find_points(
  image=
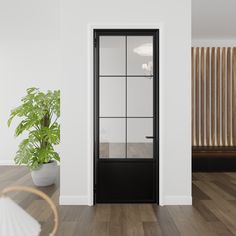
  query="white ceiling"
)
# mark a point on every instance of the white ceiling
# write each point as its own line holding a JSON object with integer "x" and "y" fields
{"x": 213, "y": 19}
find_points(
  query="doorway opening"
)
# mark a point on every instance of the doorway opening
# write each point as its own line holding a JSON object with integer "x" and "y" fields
{"x": 126, "y": 116}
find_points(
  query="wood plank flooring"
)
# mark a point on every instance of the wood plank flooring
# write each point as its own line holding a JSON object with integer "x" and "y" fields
{"x": 213, "y": 211}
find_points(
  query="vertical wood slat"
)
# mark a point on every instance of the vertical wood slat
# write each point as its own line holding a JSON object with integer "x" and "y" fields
{"x": 197, "y": 95}
{"x": 193, "y": 102}
{"x": 218, "y": 113}
{"x": 229, "y": 98}
{"x": 223, "y": 101}
{"x": 233, "y": 95}
{"x": 208, "y": 136}
{"x": 202, "y": 96}
{"x": 213, "y": 97}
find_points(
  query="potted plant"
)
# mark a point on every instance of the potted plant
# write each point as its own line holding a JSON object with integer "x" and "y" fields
{"x": 38, "y": 113}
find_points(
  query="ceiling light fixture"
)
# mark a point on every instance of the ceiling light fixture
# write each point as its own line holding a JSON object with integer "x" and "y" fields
{"x": 145, "y": 50}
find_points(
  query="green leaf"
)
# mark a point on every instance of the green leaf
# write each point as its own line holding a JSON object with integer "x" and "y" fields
{"x": 38, "y": 115}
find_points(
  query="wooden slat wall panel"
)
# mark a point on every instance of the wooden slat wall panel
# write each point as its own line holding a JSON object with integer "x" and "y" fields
{"x": 213, "y": 96}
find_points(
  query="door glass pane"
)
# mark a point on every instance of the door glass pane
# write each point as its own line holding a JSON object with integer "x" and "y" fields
{"x": 112, "y": 55}
{"x": 140, "y": 55}
{"x": 138, "y": 145}
{"x": 112, "y": 96}
{"x": 112, "y": 138}
{"x": 125, "y": 96}
{"x": 140, "y": 96}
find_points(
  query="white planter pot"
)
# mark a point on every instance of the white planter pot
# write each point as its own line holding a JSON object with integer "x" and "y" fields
{"x": 45, "y": 175}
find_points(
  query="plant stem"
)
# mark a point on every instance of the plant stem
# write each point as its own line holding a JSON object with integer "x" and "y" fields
{"x": 45, "y": 123}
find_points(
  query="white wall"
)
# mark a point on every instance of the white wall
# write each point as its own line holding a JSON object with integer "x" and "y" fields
{"x": 175, "y": 97}
{"x": 29, "y": 56}
{"x": 46, "y": 44}
{"x": 213, "y": 19}
{"x": 213, "y": 42}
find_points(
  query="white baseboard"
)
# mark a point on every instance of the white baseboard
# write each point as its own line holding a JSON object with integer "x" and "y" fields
{"x": 73, "y": 200}
{"x": 7, "y": 163}
{"x": 83, "y": 200}
{"x": 177, "y": 200}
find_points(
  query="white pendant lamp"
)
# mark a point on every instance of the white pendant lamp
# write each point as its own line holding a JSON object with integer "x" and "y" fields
{"x": 15, "y": 221}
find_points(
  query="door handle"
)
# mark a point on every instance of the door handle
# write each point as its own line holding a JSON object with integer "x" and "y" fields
{"x": 149, "y": 137}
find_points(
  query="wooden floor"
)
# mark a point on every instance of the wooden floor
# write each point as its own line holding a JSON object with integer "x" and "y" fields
{"x": 213, "y": 211}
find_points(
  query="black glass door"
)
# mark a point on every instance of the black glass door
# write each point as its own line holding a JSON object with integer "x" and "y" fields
{"x": 126, "y": 116}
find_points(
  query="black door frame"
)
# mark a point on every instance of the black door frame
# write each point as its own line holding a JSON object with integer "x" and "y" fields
{"x": 127, "y": 32}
